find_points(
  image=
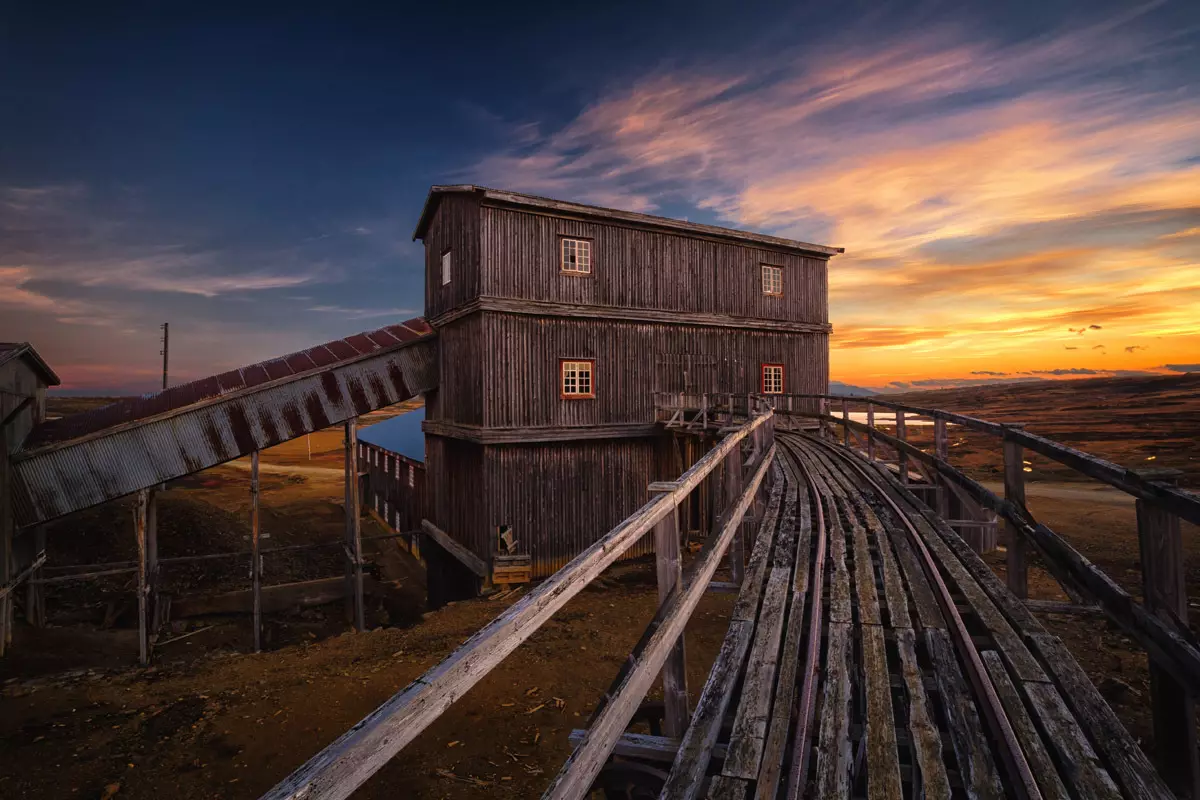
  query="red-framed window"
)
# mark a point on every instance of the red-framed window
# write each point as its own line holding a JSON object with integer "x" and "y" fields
{"x": 577, "y": 378}
{"x": 772, "y": 378}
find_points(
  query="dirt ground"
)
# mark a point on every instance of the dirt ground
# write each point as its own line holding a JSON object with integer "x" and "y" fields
{"x": 211, "y": 719}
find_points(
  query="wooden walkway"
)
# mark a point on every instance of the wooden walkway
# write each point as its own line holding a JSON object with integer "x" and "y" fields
{"x": 872, "y": 654}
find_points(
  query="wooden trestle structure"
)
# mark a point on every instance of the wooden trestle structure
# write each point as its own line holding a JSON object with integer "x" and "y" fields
{"x": 871, "y": 652}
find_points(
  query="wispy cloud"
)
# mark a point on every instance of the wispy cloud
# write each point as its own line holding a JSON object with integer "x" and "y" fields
{"x": 366, "y": 313}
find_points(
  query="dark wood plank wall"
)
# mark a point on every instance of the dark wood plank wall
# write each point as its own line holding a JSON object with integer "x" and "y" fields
{"x": 454, "y": 490}
{"x": 455, "y": 226}
{"x": 645, "y": 269}
{"x": 462, "y": 359}
{"x": 388, "y": 491}
{"x": 632, "y": 361}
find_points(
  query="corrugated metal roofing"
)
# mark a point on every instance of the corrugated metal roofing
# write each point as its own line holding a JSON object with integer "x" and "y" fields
{"x": 86, "y": 459}
{"x": 11, "y": 350}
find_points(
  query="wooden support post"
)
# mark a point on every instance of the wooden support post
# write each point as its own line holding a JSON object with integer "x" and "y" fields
{"x": 1014, "y": 492}
{"x": 1165, "y": 592}
{"x": 941, "y": 449}
{"x": 255, "y": 555}
{"x": 871, "y": 431}
{"x": 140, "y": 513}
{"x": 902, "y": 457}
{"x": 733, "y": 491}
{"x": 845, "y": 427}
{"x": 353, "y": 544}
{"x": 35, "y": 598}
{"x": 674, "y": 672}
{"x": 152, "y": 609}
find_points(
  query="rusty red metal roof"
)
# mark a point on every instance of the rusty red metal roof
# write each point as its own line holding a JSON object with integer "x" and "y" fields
{"x": 132, "y": 409}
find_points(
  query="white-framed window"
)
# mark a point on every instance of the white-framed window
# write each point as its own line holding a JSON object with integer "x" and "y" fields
{"x": 445, "y": 268}
{"x": 772, "y": 280}
{"x": 577, "y": 256}
{"x": 577, "y": 381}
{"x": 412, "y": 477}
{"x": 772, "y": 378}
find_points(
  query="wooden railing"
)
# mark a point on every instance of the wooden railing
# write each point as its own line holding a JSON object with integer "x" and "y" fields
{"x": 1158, "y": 624}
{"x": 348, "y": 762}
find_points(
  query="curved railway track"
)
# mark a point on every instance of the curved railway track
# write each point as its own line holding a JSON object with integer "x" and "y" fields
{"x": 801, "y": 450}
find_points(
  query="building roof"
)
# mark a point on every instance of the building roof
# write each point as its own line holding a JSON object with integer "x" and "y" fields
{"x": 11, "y": 350}
{"x": 564, "y": 208}
{"x": 132, "y": 409}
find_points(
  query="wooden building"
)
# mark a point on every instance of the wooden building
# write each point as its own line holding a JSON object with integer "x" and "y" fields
{"x": 557, "y": 322}
{"x": 24, "y": 378}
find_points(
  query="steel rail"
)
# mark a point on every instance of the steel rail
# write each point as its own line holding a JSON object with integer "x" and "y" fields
{"x": 798, "y": 774}
{"x": 1022, "y": 782}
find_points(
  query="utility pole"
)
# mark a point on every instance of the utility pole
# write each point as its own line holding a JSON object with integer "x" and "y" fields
{"x": 165, "y": 346}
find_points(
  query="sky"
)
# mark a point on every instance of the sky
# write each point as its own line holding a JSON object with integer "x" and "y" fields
{"x": 1017, "y": 188}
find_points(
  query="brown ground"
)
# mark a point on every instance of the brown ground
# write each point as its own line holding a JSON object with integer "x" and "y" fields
{"x": 211, "y": 719}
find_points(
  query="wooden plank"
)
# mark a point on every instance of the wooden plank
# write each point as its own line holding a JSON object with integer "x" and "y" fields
{"x": 347, "y": 763}
{"x": 255, "y": 555}
{"x": 1164, "y": 589}
{"x": 1130, "y": 767}
{"x": 971, "y": 748}
{"x": 923, "y": 730}
{"x": 929, "y": 614}
{"x": 754, "y": 707}
{"x": 883, "y": 762}
{"x": 1056, "y": 607}
{"x": 687, "y": 773}
{"x": 1082, "y": 769}
{"x": 674, "y": 674}
{"x": 723, "y": 787}
{"x": 585, "y": 763}
{"x": 732, "y": 480}
{"x": 864, "y": 570}
{"x": 464, "y": 556}
{"x": 746, "y": 606}
{"x": 1040, "y": 763}
{"x": 901, "y": 434}
{"x": 1014, "y": 492}
{"x": 832, "y": 777}
{"x": 643, "y": 746}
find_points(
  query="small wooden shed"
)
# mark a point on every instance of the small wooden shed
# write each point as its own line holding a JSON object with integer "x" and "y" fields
{"x": 24, "y": 378}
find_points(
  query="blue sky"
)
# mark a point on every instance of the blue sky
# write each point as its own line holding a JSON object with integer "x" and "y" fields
{"x": 254, "y": 177}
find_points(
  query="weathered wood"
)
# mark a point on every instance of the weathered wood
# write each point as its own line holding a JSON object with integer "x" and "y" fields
{"x": 923, "y": 599}
{"x": 723, "y": 787}
{"x": 674, "y": 675}
{"x": 460, "y": 553}
{"x": 941, "y": 447}
{"x": 883, "y": 764}
{"x": 902, "y": 455}
{"x": 870, "y": 430}
{"x": 139, "y": 533}
{"x": 643, "y": 746}
{"x": 273, "y": 599}
{"x": 35, "y": 599}
{"x": 347, "y": 763}
{"x": 1014, "y": 492}
{"x": 1056, "y": 607}
{"x": 832, "y": 775}
{"x": 1040, "y": 762}
{"x": 7, "y": 528}
{"x": 845, "y": 427}
{"x": 1130, "y": 767}
{"x": 255, "y": 556}
{"x": 922, "y": 728}
{"x": 687, "y": 773}
{"x": 1082, "y": 769}
{"x": 153, "y": 578}
{"x": 971, "y": 748}
{"x": 754, "y": 709}
{"x": 1164, "y": 588}
{"x": 732, "y": 479}
{"x": 353, "y": 543}
{"x": 585, "y": 763}
{"x": 746, "y": 605}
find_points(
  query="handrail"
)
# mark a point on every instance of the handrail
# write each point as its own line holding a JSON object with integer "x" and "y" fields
{"x": 348, "y": 762}
{"x": 1178, "y": 501}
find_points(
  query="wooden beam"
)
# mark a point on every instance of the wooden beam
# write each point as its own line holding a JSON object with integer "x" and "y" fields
{"x": 941, "y": 448}
{"x": 674, "y": 673}
{"x": 1056, "y": 607}
{"x": 1014, "y": 492}
{"x": 845, "y": 427}
{"x": 575, "y": 778}
{"x": 353, "y": 549}
{"x": 343, "y": 766}
{"x": 141, "y": 506}
{"x": 255, "y": 555}
{"x": 902, "y": 435}
{"x": 7, "y": 526}
{"x": 870, "y": 429}
{"x": 1164, "y": 588}
{"x": 152, "y": 565}
{"x": 468, "y": 559}
{"x": 642, "y": 746}
{"x": 732, "y": 478}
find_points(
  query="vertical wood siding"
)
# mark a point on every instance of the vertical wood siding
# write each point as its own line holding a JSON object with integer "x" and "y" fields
{"x": 455, "y": 225}
{"x": 388, "y": 492}
{"x": 632, "y": 361}
{"x": 462, "y": 359}
{"x": 644, "y": 269}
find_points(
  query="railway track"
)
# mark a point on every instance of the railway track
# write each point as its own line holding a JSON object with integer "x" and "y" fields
{"x": 1018, "y": 777}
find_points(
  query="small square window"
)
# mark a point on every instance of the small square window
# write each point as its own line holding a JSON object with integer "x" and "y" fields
{"x": 411, "y": 477}
{"x": 772, "y": 280}
{"x": 772, "y": 379}
{"x": 445, "y": 268}
{"x": 577, "y": 380}
{"x": 577, "y": 256}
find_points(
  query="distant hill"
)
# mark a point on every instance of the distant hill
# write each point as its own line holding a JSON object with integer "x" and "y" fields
{"x": 837, "y": 387}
